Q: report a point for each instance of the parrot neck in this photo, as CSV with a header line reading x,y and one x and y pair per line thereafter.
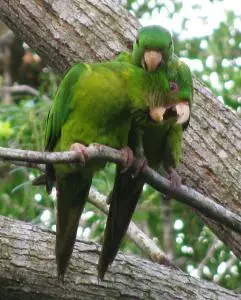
x,y
158,88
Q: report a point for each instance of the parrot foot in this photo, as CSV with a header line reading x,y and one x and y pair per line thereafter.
x,y
140,165
174,178
163,260
128,158
81,151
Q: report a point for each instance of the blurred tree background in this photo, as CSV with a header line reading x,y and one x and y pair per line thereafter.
x,y
207,36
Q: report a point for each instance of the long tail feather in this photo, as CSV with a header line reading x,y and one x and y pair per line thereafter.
x,y
123,200
72,191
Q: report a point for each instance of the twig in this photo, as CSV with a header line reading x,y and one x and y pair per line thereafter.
x,y
40,167
141,240
184,194
24,89
166,217
215,245
229,263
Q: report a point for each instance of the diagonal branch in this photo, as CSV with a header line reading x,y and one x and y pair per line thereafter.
x,y
142,241
24,89
210,253
95,151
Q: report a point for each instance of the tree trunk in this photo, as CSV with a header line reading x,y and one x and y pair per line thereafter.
x,y
67,31
28,271
64,32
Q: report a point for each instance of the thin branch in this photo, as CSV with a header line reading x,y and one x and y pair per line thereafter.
x,y
184,194
210,253
135,234
229,263
24,89
166,217
40,167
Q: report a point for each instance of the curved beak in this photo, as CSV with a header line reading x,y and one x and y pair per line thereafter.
x,y
157,113
152,60
180,111
183,112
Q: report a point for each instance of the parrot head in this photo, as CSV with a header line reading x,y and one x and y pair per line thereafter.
x,y
178,110
152,48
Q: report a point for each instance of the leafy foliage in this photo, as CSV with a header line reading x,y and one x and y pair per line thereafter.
x,y
219,57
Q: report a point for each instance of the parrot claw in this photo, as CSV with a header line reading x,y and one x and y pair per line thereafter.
x,y
81,151
174,178
128,158
163,260
140,165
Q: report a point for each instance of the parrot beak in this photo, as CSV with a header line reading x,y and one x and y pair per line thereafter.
x,y
152,60
183,112
180,111
157,113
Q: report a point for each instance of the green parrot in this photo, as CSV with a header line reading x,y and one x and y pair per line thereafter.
x,y
161,141
94,104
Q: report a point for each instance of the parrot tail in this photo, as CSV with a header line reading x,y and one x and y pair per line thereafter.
x,y
72,191
123,200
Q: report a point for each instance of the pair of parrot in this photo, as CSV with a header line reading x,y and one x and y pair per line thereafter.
x,y
139,103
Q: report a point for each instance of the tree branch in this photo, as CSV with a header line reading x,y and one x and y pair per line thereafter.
x,y
142,241
186,195
28,271
168,233
67,31
229,263
216,244
24,89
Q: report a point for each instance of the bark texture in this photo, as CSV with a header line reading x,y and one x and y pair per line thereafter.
x,y
28,271
64,32
212,158
67,31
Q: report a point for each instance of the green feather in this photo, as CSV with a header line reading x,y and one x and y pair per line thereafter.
x,y
152,38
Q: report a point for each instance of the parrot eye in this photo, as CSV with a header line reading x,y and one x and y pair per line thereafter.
x,y
174,87
129,45
137,41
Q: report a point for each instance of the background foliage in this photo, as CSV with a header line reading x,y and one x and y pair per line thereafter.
x,y
214,58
